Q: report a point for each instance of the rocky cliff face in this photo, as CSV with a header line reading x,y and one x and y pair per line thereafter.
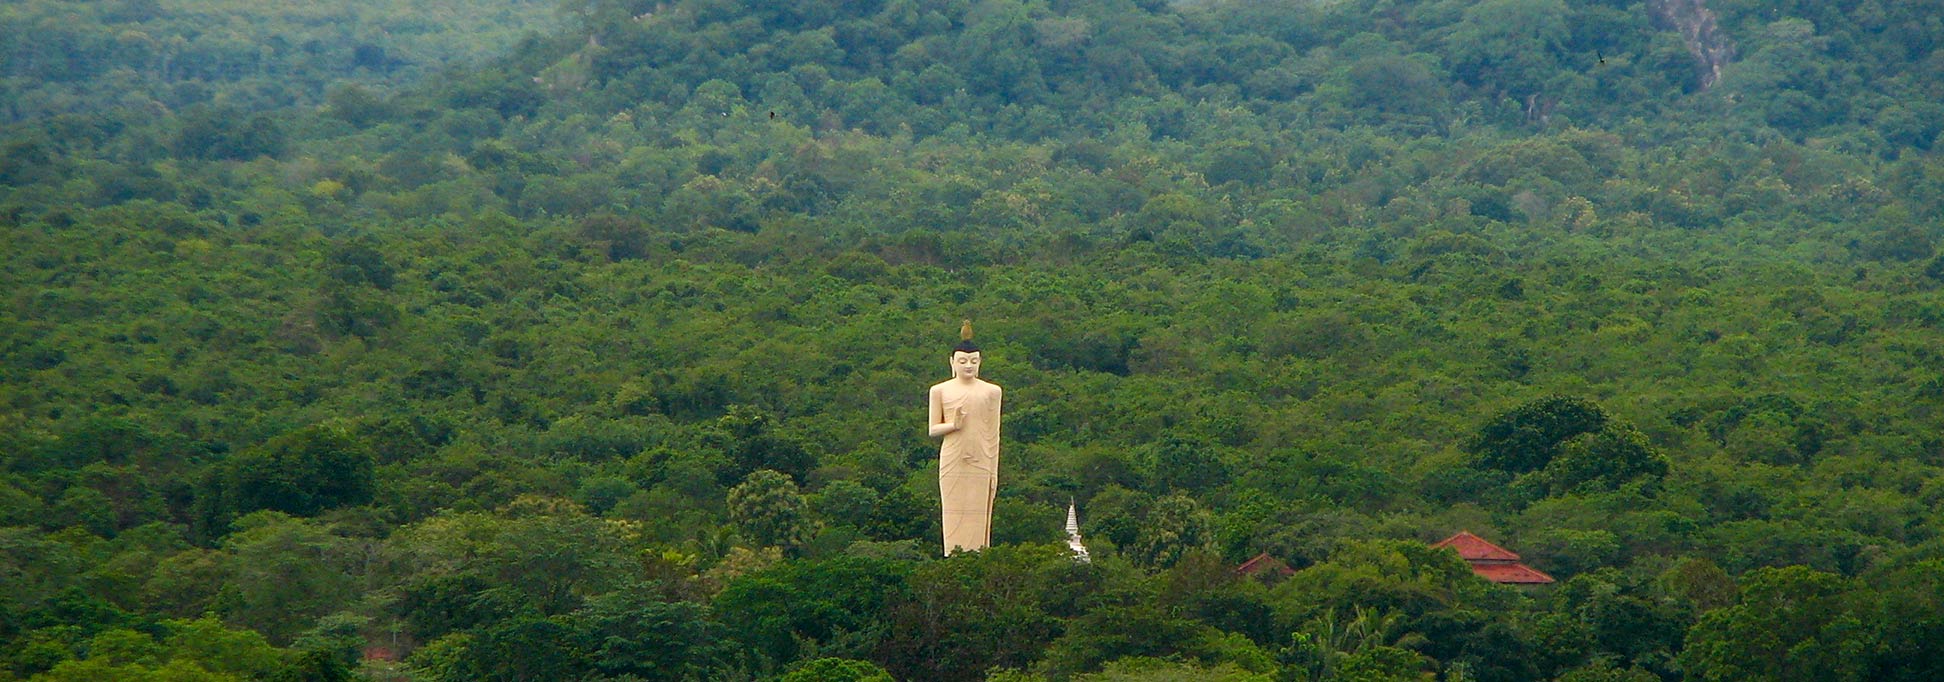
x,y
1705,40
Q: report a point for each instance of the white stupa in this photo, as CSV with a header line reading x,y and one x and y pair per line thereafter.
x,y
1073,534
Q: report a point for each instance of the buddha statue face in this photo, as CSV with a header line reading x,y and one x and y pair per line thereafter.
x,y
965,366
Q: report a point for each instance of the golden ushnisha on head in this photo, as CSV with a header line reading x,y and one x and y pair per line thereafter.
x,y
965,344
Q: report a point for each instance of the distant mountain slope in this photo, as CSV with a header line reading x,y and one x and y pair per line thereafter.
x,y
604,359
58,56
1027,69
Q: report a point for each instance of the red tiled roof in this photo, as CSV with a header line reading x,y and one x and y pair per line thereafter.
x,y
1493,562
1264,562
1510,574
1474,548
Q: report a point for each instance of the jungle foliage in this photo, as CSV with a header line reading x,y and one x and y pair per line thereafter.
x,y
375,341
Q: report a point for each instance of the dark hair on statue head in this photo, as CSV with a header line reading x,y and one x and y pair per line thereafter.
x,y
965,344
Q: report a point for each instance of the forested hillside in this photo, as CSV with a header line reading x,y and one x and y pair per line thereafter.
x,y
396,347
63,56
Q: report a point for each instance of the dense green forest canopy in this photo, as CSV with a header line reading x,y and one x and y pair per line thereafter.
x,y
502,341
64,56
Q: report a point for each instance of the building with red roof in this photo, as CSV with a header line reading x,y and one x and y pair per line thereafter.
x,y
1265,565
1493,562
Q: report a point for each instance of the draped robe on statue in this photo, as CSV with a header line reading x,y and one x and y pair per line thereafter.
x,y
968,461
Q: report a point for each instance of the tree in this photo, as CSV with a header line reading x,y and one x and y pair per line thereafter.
x,y
631,632
354,311
103,440
1700,583
434,605
1792,623
302,472
1908,608
1360,646
1621,618
837,670
279,573
998,607
1602,460
1382,664
1509,47
1787,78
207,642
770,510
753,442
1528,436
229,134
1114,633
1145,669
1174,526
357,105
535,555
834,607
526,648
556,558
1770,428
1237,162
1606,670
358,261
316,666
1186,465
847,503
615,237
